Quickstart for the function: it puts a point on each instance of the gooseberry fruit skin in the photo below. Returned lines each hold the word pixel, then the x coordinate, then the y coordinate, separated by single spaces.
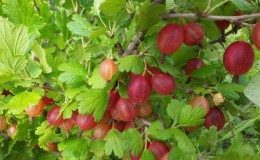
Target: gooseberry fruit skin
pixel 163 84
pixel 193 65
pixel 36 110
pixel 11 131
pixel 67 124
pixel 222 24
pixel 193 33
pixel 47 101
pixel 107 69
pixel 125 109
pixel 101 130
pixel 165 156
pixel 170 38
pixel 85 122
pixel 238 58
pixel 158 148
pixel 2 123
pixel 256 35
pixel 139 89
pixel 53 116
pixel 113 97
pixel 215 117
pixel 200 101
pixel 144 110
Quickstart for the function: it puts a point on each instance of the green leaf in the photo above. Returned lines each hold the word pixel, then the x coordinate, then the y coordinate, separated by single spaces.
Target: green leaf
pixel 67 110
pixel 34 69
pixel 252 90
pixel 149 16
pixel 239 151
pixel 93 101
pixel 96 80
pixel 131 63
pixel 170 5
pixel 73 73
pixel 79 26
pixel 211 30
pixel 208 138
pixel 22 130
pixel 98 147
pixel 14 42
pixel 174 109
pixel 204 72
pixel 242 5
pixel 97 4
pixel 14 64
pixel 184 54
pixel 148 154
pixel 114 143
pixel 112 7
pixel 74 147
pixel 23 12
pixel 39 52
pixel 157 130
pixel 184 148
pixel 22 101
pixel 230 90
pixel 133 141
pixel 61 22
pixel 192 116
pixel 46 133
pixel 185 115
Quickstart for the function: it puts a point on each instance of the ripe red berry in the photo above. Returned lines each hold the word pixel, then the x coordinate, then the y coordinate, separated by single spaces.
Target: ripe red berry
pixel 238 58
pixel 154 70
pixel 215 117
pixel 222 24
pixel 48 101
pixel 163 84
pixel 113 97
pixel 256 35
pixel 107 69
pixel 2 123
pixel 193 33
pixel 170 38
pixel 120 126
pixel 200 101
pixel 34 111
pixel 85 122
pixel 67 124
pixel 53 116
pixel 193 65
pixel 139 89
pixel 158 148
pixel 52 147
pixel 125 109
pixel 11 131
pixel 132 157
pixel 144 110
pixel 115 115
pixel 165 156
pixel 101 130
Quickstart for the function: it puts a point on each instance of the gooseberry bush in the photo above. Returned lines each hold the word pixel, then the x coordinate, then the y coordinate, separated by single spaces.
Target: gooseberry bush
pixel 130 79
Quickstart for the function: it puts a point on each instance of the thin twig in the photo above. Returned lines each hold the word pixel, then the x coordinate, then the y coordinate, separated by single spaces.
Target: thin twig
pixel 212 17
pixel 119 48
pixel 220 39
pixel 134 44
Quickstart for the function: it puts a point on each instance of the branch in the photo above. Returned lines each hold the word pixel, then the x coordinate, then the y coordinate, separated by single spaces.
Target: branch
pixel 134 44
pixel 220 39
pixel 212 17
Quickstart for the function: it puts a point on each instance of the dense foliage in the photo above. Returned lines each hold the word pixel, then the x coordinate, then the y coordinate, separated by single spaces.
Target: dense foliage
pixel 129 79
